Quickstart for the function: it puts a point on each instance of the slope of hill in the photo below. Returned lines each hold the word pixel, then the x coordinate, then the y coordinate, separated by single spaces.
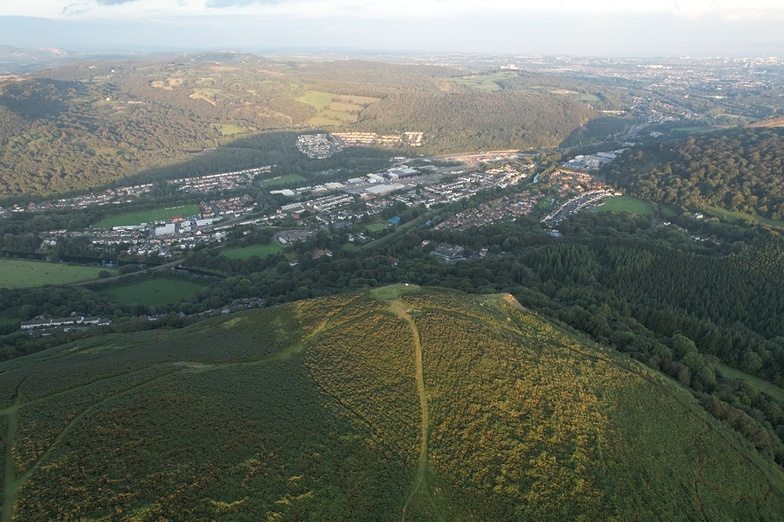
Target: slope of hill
pixel 400 402
pixel 737 170
pixel 93 123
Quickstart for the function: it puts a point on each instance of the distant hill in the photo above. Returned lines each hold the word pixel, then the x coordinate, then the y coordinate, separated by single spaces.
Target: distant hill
pixel 19 60
pixel 92 123
pixel 397 403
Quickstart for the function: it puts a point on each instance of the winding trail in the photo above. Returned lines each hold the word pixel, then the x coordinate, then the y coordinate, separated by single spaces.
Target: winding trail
pixel 399 309
pixel 9 493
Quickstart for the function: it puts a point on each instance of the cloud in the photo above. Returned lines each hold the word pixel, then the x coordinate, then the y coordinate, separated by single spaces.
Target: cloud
pixel 75 9
pixel 114 2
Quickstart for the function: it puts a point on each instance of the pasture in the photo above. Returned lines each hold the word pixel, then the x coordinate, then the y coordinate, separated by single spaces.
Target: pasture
pixel 245 253
pixel 23 273
pixel 335 109
pixel 282 181
pixel 689 131
pixel 153 292
pixel 588 97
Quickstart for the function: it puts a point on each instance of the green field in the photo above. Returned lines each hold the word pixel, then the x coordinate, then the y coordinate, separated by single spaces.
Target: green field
pixel 229 129
pixel 375 227
pixel 282 181
pixel 768 387
pixel 688 131
pixel 335 109
pixel 545 203
pixel 588 97
pixel 317 99
pixel 483 83
pixel 627 204
pixel 19 273
pixel 731 217
pixel 153 292
pixel 147 216
pixel 253 250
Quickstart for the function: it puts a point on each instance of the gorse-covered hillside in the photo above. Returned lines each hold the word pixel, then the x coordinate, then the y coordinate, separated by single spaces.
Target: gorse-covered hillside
pixel 395 403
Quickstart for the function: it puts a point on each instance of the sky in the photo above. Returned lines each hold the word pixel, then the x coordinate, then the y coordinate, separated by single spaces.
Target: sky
pixel 566 27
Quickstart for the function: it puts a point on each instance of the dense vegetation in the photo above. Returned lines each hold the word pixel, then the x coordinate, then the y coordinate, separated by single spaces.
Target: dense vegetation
pixel 82 126
pixel 739 170
pixel 476 120
pixel 364 407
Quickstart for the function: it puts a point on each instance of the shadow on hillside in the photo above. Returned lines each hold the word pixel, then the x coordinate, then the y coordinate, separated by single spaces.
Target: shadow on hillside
pixel 39 98
pixel 277 148
pixel 248 151
pixel 599 129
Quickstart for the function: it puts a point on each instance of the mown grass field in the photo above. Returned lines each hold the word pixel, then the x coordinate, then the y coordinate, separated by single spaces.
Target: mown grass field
pixel 588 98
pixel 545 203
pixel 399 403
pixel 730 216
pixel 282 181
pixel 627 204
pixel 19 273
pixel 153 292
pixel 253 250
pixel 147 216
pixel 375 227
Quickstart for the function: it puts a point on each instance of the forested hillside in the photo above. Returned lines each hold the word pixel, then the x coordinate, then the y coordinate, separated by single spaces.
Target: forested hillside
pixel 397 403
pixel 476 120
pixel 90 124
pixel 740 170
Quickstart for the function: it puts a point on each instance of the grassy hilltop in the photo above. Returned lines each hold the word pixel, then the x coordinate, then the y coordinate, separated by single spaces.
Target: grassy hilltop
pixel 396 403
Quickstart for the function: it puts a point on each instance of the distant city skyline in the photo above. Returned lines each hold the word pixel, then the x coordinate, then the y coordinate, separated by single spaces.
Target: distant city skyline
pixel 573 27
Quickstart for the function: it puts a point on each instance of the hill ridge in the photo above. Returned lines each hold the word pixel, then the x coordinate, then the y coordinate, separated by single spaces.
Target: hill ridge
pixel 402 402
